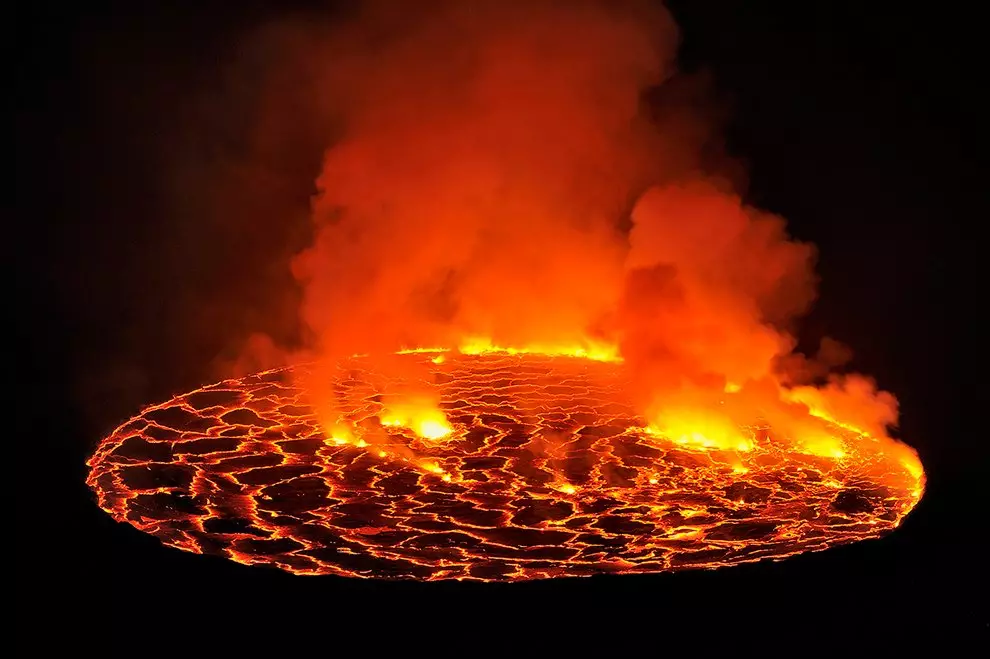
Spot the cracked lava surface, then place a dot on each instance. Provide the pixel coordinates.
(548, 472)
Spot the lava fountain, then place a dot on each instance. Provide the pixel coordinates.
(547, 471)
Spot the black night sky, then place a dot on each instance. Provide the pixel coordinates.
(854, 120)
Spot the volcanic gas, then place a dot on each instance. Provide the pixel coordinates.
(541, 332)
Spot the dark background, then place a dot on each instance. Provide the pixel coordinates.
(855, 120)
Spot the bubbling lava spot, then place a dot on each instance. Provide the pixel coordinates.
(544, 469)
(692, 428)
(421, 417)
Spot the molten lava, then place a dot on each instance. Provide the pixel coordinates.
(532, 466)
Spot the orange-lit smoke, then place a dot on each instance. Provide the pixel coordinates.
(489, 158)
(489, 151)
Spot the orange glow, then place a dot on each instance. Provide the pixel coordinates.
(341, 434)
(458, 216)
(419, 415)
(596, 351)
(541, 328)
(909, 460)
(193, 472)
(428, 424)
(586, 349)
(700, 429)
(822, 445)
(432, 428)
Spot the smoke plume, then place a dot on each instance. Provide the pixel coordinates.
(528, 174)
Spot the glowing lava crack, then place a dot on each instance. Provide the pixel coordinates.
(547, 473)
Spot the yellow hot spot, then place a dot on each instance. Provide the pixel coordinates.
(476, 346)
(341, 434)
(823, 446)
(810, 398)
(382, 454)
(433, 429)
(913, 465)
(423, 419)
(593, 350)
(698, 431)
(439, 359)
(683, 533)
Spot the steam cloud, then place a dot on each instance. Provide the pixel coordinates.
(497, 172)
